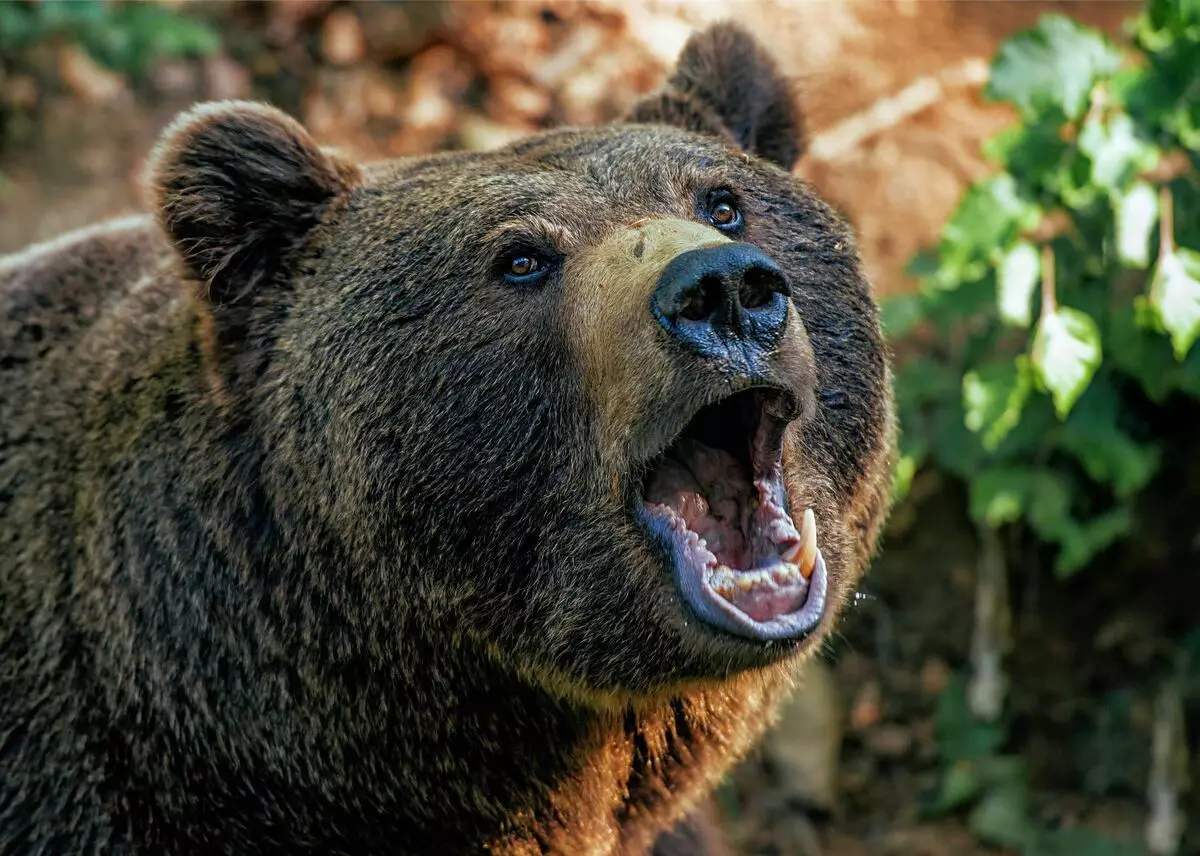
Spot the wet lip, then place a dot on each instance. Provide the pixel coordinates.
(715, 501)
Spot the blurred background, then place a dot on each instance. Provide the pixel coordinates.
(1021, 671)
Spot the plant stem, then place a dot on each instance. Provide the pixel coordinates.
(1049, 297)
(1166, 222)
(992, 636)
(1167, 823)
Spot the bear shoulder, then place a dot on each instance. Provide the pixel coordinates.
(52, 290)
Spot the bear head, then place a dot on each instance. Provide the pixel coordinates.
(608, 407)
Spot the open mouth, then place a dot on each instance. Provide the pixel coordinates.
(716, 498)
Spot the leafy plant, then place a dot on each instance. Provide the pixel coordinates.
(1056, 316)
(123, 36)
(995, 789)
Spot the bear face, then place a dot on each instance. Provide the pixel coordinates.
(611, 403)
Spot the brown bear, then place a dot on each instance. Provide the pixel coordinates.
(481, 502)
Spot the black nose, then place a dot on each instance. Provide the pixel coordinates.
(726, 301)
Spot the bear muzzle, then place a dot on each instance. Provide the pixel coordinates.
(698, 364)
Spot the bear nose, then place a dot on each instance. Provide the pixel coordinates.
(728, 300)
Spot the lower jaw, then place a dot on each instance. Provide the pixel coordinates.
(696, 587)
(714, 609)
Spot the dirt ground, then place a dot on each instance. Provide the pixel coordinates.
(890, 92)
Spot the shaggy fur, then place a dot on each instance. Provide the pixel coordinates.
(313, 530)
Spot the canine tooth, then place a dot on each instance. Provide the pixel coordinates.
(808, 543)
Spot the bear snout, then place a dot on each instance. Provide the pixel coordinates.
(668, 315)
(728, 303)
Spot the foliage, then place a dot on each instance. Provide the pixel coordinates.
(126, 36)
(981, 777)
(1063, 300)
(1059, 312)
(995, 788)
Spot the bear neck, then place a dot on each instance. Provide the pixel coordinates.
(434, 740)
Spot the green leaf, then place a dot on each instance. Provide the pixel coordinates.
(961, 782)
(998, 149)
(900, 313)
(1165, 23)
(903, 473)
(1016, 277)
(1082, 541)
(990, 215)
(1116, 152)
(921, 379)
(1142, 353)
(966, 778)
(993, 398)
(1034, 154)
(1066, 353)
(23, 25)
(1050, 496)
(1108, 454)
(1137, 212)
(1189, 374)
(1184, 122)
(1072, 183)
(1030, 437)
(1080, 841)
(62, 14)
(1052, 65)
(130, 36)
(1150, 97)
(18, 26)
(923, 265)
(1175, 297)
(954, 447)
(969, 302)
(1175, 16)
(960, 736)
(1044, 498)
(1000, 495)
(1002, 817)
(913, 452)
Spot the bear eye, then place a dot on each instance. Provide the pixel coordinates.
(523, 266)
(723, 212)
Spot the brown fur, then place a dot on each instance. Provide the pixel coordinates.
(312, 534)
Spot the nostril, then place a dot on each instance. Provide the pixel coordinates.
(759, 287)
(701, 300)
(715, 297)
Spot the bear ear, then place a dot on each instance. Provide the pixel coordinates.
(238, 186)
(725, 83)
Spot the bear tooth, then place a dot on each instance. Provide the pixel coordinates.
(807, 558)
